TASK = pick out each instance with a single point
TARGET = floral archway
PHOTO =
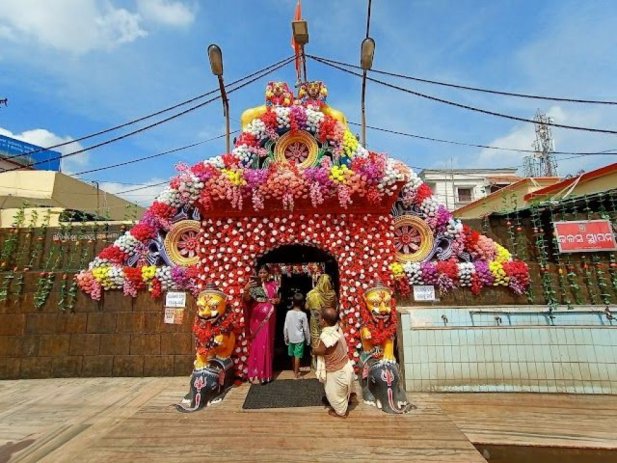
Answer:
(298, 175)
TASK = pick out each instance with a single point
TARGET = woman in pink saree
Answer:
(261, 296)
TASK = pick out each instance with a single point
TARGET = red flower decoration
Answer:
(155, 288)
(423, 192)
(162, 210)
(448, 268)
(470, 237)
(230, 160)
(134, 276)
(113, 254)
(328, 130)
(269, 118)
(143, 232)
(246, 138)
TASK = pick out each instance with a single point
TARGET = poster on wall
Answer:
(174, 315)
(175, 299)
(585, 236)
(424, 293)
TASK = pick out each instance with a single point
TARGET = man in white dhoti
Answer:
(339, 374)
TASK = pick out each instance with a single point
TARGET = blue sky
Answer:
(73, 67)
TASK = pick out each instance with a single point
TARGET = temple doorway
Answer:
(297, 267)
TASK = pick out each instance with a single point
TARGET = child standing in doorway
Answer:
(296, 332)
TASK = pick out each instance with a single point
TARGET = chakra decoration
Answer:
(413, 239)
(182, 241)
(298, 147)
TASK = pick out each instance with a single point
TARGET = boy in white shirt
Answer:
(296, 332)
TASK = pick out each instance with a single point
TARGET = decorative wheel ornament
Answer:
(299, 147)
(181, 243)
(413, 239)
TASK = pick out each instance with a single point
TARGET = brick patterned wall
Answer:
(118, 336)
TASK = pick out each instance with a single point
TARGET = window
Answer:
(464, 195)
(497, 186)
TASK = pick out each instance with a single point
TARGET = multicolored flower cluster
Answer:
(348, 172)
(491, 264)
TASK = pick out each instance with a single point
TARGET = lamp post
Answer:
(301, 38)
(367, 51)
(215, 56)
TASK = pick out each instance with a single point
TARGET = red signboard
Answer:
(585, 236)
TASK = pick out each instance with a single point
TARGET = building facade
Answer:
(59, 195)
(457, 187)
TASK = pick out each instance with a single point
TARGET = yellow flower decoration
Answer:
(502, 254)
(235, 177)
(101, 274)
(501, 278)
(397, 270)
(350, 143)
(340, 174)
(148, 272)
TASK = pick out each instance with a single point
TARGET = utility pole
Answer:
(98, 196)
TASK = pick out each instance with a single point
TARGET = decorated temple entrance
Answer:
(298, 190)
(297, 267)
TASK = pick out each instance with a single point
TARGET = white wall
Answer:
(446, 185)
(575, 352)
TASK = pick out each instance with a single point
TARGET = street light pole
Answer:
(301, 37)
(367, 52)
(215, 56)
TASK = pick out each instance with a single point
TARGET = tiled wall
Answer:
(509, 349)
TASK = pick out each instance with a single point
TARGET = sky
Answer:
(70, 68)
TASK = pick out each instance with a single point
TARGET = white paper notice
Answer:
(424, 293)
(175, 299)
(173, 315)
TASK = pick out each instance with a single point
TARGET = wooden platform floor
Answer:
(539, 420)
(131, 420)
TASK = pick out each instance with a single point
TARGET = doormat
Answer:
(285, 393)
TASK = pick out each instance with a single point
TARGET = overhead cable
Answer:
(474, 145)
(463, 106)
(152, 156)
(149, 116)
(162, 121)
(475, 89)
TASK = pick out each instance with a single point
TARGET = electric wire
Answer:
(162, 121)
(474, 145)
(152, 156)
(475, 89)
(157, 113)
(464, 106)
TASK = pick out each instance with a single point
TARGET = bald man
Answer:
(339, 369)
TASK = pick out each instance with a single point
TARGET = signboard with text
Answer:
(27, 154)
(585, 236)
(423, 293)
(175, 299)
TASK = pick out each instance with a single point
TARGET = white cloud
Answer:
(143, 197)
(169, 13)
(77, 26)
(44, 138)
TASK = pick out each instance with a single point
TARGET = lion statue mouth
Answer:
(211, 317)
(381, 315)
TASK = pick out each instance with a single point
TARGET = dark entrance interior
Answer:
(296, 282)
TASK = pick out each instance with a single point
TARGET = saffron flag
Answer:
(294, 45)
